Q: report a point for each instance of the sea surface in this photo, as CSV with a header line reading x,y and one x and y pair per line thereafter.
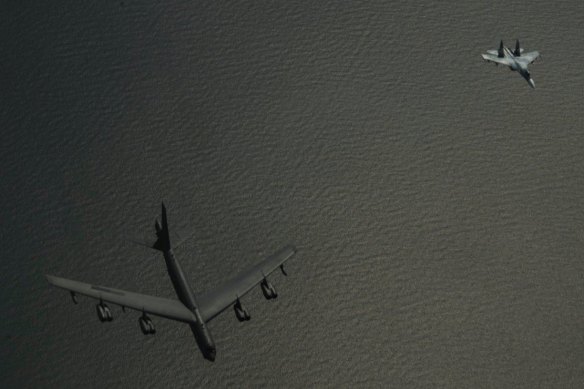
x,y
437,201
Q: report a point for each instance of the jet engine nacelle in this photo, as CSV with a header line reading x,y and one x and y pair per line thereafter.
x,y
146,325
103,312
240,312
268,290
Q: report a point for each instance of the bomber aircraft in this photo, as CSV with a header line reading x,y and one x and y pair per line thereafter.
x,y
516,60
195,310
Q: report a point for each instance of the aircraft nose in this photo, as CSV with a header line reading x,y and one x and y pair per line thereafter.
x,y
531,83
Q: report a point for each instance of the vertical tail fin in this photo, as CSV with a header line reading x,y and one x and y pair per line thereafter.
x,y
517,51
162,233
501,53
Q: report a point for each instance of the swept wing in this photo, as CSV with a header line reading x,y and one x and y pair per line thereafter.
x,y
215,301
167,308
496,59
528,58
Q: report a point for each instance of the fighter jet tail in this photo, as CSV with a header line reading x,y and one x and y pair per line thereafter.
x,y
517,51
501,52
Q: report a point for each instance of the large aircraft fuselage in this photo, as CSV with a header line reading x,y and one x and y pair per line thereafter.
x,y
187,297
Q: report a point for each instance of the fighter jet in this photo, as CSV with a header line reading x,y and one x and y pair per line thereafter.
x,y
516,60
196,310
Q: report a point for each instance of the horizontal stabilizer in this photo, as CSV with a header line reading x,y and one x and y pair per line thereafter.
x,y
177,239
164,237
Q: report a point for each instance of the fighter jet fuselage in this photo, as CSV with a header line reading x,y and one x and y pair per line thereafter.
x,y
518,66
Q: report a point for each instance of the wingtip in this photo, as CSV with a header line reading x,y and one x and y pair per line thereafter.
x,y
290,248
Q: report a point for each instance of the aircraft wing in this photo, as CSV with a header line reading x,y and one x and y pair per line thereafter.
x,y
528,58
496,59
170,309
215,301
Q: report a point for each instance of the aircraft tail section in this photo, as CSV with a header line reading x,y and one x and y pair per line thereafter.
x,y
501,52
163,236
517,51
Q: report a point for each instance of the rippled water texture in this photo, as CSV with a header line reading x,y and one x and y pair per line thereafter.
x,y
436,200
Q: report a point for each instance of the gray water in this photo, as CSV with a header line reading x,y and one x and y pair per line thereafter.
x,y
436,200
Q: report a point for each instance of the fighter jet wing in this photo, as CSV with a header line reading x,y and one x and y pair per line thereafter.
x,y
528,58
215,301
170,309
496,59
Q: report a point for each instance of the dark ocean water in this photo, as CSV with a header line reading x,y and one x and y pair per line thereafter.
x,y
436,201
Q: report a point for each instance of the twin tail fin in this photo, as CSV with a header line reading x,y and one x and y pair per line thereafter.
x,y
501,51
